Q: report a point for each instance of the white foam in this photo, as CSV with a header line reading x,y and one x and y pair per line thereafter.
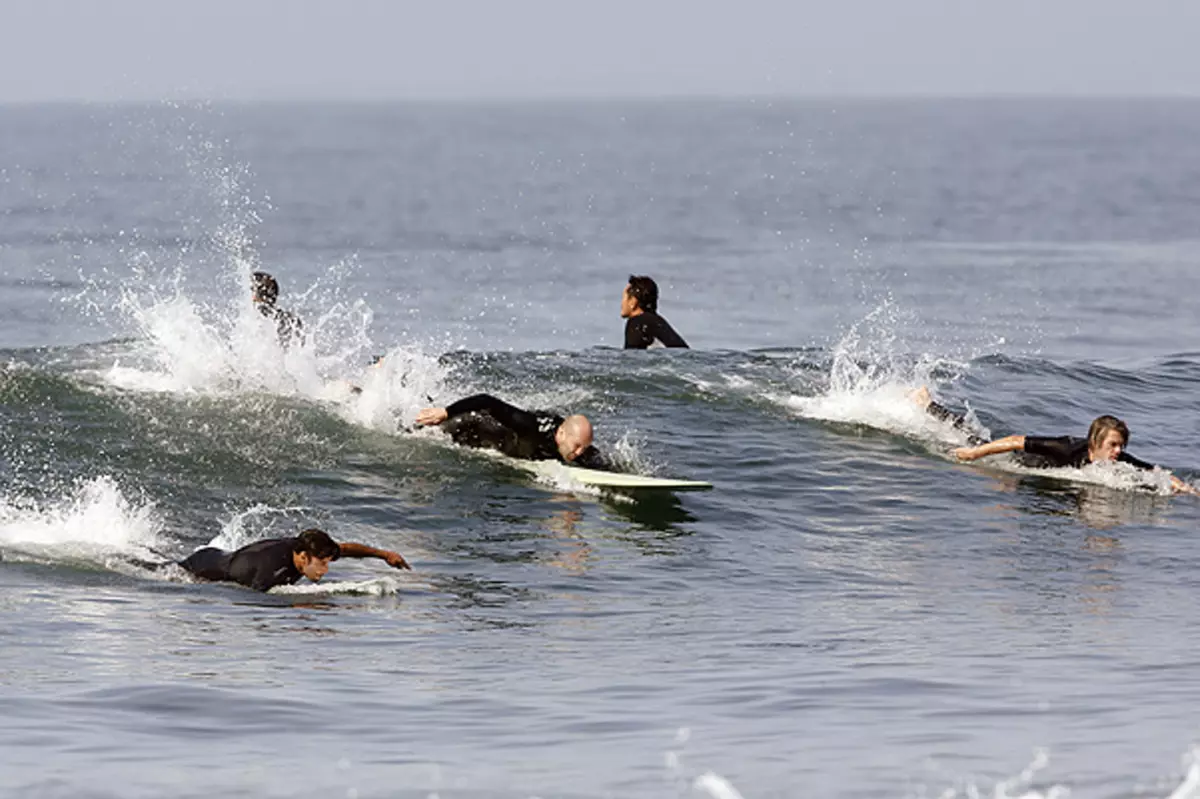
x,y
884,407
380,586
225,347
253,524
93,521
716,786
1119,476
196,330
1190,787
627,454
870,384
558,476
393,390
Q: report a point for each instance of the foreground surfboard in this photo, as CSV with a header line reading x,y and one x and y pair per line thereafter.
x,y
616,480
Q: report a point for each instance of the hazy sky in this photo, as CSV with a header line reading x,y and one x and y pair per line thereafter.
x,y
359,49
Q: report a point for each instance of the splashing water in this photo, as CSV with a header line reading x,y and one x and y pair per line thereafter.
x,y
196,330
94,521
378,587
870,382
393,390
716,786
254,523
1190,787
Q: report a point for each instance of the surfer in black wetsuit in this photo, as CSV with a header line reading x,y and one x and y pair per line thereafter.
x,y
1106,441
486,422
645,328
281,561
264,292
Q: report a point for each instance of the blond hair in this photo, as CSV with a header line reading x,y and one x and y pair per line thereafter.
x,y
1100,427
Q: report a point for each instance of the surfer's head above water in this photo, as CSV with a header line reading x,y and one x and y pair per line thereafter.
x,y
640,295
312,552
1107,438
573,436
263,288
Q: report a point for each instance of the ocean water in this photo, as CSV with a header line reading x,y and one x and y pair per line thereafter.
x,y
848,613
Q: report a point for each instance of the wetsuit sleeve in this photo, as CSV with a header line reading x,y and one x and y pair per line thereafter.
x,y
637,337
1136,463
1060,451
591,458
667,335
510,416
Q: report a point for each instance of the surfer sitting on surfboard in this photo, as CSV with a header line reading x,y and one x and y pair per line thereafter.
x,y
1106,441
486,422
281,561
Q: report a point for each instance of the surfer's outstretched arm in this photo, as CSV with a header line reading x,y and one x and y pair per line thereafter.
x,y
510,416
349,549
1006,444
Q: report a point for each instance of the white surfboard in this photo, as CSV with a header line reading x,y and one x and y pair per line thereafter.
x,y
614,480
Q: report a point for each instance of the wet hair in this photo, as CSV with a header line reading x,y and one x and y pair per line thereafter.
x,y
265,287
316,543
645,291
1102,425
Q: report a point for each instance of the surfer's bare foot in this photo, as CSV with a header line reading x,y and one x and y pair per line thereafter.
x,y
432,416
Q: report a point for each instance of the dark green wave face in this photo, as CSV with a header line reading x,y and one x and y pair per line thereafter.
x,y
848,610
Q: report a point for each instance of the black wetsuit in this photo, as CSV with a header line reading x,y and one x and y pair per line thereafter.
x,y
287,325
1043,452
647,329
1040,452
486,422
261,565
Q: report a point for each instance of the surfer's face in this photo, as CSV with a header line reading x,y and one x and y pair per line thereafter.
x,y
1109,448
573,437
310,566
629,303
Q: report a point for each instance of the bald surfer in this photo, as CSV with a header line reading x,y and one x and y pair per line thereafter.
x,y
487,422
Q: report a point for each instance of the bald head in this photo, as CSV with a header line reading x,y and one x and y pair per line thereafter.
x,y
573,436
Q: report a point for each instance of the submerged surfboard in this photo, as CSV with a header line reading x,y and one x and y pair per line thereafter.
x,y
615,480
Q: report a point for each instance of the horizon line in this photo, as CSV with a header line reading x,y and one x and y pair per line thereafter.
x,y
616,97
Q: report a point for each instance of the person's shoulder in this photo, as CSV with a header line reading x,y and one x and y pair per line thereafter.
x,y
266,544
548,421
1067,441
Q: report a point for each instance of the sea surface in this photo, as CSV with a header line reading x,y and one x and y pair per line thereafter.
x,y
848,613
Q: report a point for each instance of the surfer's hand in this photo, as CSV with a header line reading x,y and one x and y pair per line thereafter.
x,y
1180,487
963,453
396,560
432,416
